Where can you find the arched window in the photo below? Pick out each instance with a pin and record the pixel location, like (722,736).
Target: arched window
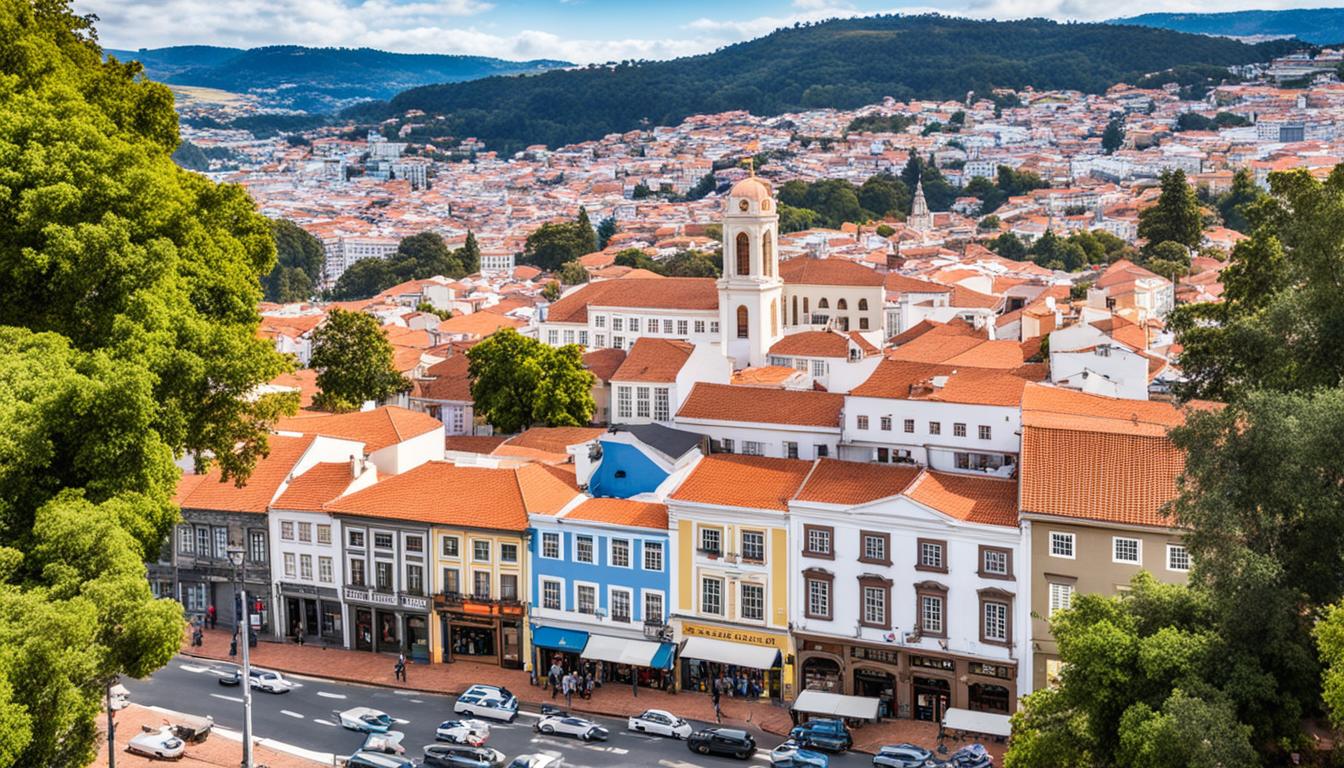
(768,253)
(743,254)
(795,310)
(842,305)
(863,305)
(742,330)
(774,318)
(823,304)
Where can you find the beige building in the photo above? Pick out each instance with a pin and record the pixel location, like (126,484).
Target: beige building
(844,294)
(1095,475)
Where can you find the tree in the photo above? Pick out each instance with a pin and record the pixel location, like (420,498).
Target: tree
(1114,136)
(605,229)
(689,264)
(468,257)
(128,324)
(990,223)
(365,278)
(702,188)
(585,230)
(1168,259)
(299,261)
(572,273)
(635,258)
(1175,216)
(518,382)
(354,362)
(554,243)
(551,291)
(1233,204)
(883,195)
(1009,246)
(885,230)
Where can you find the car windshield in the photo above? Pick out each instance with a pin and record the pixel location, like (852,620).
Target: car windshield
(504,694)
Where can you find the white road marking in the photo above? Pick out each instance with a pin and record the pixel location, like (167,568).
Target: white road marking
(324,694)
(608,750)
(291,714)
(399,721)
(326,722)
(417,701)
(221,672)
(325,758)
(237,699)
(193,668)
(401,692)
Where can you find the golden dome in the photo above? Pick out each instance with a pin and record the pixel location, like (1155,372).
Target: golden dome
(751,188)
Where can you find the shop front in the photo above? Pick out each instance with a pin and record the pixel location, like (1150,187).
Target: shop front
(481,630)
(312,613)
(747,663)
(385,622)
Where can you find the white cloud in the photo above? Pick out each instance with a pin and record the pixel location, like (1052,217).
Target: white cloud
(746,29)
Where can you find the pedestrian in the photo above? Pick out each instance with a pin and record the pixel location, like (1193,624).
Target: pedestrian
(714,697)
(210,615)
(399,670)
(568,684)
(588,686)
(233,645)
(555,683)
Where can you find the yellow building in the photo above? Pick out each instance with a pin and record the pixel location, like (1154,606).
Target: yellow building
(729,533)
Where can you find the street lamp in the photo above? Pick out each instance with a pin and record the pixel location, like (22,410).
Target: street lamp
(236,557)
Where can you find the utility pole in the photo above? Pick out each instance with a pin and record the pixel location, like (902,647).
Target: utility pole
(244,639)
(111,729)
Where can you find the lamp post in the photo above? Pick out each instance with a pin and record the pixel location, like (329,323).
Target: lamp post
(111,728)
(236,556)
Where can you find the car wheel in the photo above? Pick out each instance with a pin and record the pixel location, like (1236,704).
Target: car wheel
(587,736)
(703,749)
(546,729)
(742,755)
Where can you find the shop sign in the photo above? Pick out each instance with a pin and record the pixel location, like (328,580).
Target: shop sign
(735,635)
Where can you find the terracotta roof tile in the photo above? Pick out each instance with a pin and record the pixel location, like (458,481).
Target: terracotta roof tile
(1060,408)
(903,380)
(546,490)
(445,381)
(636,514)
(441,493)
(809,271)
(663,293)
(752,482)
(482,444)
(255,496)
(813,344)
(314,488)
(654,360)
(604,362)
(986,500)
(724,402)
(377,428)
(553,439)
(852,482)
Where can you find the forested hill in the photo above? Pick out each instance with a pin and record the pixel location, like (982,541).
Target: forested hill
(1323,26)
(838,63)
(318,78)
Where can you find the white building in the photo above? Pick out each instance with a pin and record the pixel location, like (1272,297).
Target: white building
(759,421)
(658,374)
(341,252)
(751,290)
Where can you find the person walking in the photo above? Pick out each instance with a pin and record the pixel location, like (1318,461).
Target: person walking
(399,670)
(568,684)
(210,615)
(714,696)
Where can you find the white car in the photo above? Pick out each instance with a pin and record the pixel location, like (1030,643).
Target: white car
(385,743)
(535,761)
(271,682)
(488,701)
(471,732)
(366,719)
(159,743)
(661,723)
(569,725)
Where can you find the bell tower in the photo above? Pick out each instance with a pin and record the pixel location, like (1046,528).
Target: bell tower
(751,292)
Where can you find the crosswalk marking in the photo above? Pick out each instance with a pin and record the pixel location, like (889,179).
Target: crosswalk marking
(193,668)
(331,695)
(237,699)
(291,714)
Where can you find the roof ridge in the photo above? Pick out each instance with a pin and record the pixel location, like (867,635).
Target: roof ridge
(815,463)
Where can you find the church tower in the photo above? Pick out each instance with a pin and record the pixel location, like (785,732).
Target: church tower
(751,292)
(920,219)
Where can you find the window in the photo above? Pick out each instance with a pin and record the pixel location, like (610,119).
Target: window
(863,305)
(186,544)
(324,569)
(1178,557)
(222,543)
(623,407)
(711,596)
(583,549)
(753,546)
(931,614)
(356,539)
(653,555)
(681,327)
(985,432)
(620,604)
(357,573)
(752,448)
(587,598)
(994,618)
(727,444)
(711,540)
(753,602)
(642,402)
(618,342)
(480,584)
(550,594)
(885,423)
(1061,597)
(661,408)
(480,550)
(620,553)
(508,553)
(382,575)
(823,304)
(819,598)
(653,607)
(323,534)
(875,546)
(256,546)
(306,532)
(875,606)
(569,337)
(743,253)
(306,567)
(508,586)
(415,579)
(932,556)
(817,541)
(714,326)
(652,325)
(618,324)
(790,450)
(958,429)
(289,565)
(583,338)
(452,581)
(863,323)
(600,321)
(909,425)
(1061,544)
(822,451)
(451,546)
(287,530)
(382,541)
(861,422)
(995,563)
(743,331)
(1125,550)
(935,428)
(203,541)
(601,339)
(415,544)
(553,338)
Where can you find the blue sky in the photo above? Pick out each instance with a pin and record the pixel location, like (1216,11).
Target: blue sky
(576,30)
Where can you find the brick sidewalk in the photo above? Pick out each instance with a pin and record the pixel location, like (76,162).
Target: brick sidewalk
(614,700)
(217,751)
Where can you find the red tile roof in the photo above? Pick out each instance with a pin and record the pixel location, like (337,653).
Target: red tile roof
(319,485)
(377,428)
(208,492)
(663,293)
(813,344)
(604,362)
(752,482)
(440,493)
(445,381)
(483,444)
(852,482)
(724,402)
(986,500)
(809,271)
(636,514)
(654,360)
(901,380)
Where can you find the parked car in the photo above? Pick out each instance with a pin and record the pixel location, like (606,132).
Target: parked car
(569,725)
(471,732)
(375,760)
(791,755)
(536,761)
(262,680)
(159,742)
(461,756)
(661,723)
(487,701)
(823,733)
(722,741)
(904,756)
(971,756)
(366,719)
(387,743)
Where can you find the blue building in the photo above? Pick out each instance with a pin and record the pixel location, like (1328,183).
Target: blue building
(638,459)
(601,590)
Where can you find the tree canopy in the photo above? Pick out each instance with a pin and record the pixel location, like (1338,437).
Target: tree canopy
(558,242)
(518,382)
(354,362)
(298,265)
(1175,217)
(418,257)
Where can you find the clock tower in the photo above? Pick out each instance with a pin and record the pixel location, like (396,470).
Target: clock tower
(751,304)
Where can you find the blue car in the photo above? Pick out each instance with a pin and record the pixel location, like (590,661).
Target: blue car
(790,755)
(828,734)
(971,756)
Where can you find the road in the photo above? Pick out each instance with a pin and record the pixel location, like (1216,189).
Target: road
(306,718)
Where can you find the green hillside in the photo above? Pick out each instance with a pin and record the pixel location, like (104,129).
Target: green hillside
(1314,25)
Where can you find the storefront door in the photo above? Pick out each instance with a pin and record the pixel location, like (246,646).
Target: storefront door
(877,685)
(932,697)
(511,646)
(473,641)
(363,629)
(310,617)
(386,624)
(986,697)
(293,616)
(821,674)
(417,638)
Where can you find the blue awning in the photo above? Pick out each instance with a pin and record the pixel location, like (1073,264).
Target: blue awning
(663,658)
(567,640)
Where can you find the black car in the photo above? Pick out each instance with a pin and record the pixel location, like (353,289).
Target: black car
(461,756)
(722,741)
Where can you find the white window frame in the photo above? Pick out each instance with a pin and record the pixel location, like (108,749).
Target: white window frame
(545,581)
(1060,597)
(925,615)
(1138,550)
(457,546)
(324,534)
(305,532)
(1170,551)
(1001,622)
(644,595)
(509,561)
(592,548)
(881,594)
(700,595)
(742,543)
(489,551)
(629,553)
(325,572)
(700,539)
(559,548)
(742,588)
(643,402)
(306,567)
(646,547)
(662,404)
(1059,537)
(625,408)
(629,601)
(597,595)
(286,530)
(291,565)
(824,595)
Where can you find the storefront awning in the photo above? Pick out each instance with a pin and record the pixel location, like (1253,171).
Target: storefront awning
(640,653)
(986,723)
(837,705)
(724,652)
(567,640)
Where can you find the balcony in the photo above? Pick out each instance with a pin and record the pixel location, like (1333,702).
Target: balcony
(467,602)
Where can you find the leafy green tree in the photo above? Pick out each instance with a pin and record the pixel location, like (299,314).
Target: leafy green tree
(468,257)
(585,230)
(793,219)
(1168,259)
(884,195)
(885,230)
(518,382)
(1175,216)
(428,308)
(421,256)
(1114,136)
(1187,732)
(364,278)
(702,188)
(354,362)
(636,259)
(990,223)
(1009,246)
(1329,634)
(1233,204)
(572,273)
(551,291)
(555,243)
(689,264)
(299,261)
(605,229)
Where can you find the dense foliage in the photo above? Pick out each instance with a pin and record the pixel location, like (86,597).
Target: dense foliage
(418,257)
(683,264)
(1070,254)
(833,202)
(1193,121)
(556,243)
(298,263)
(1006,183)
(354,362)
(518,382)
(128,318)
(197,158)
(838,63)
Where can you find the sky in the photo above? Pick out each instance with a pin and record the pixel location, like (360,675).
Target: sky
(580,31)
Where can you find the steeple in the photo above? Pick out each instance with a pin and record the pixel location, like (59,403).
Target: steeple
(750,290)
(920,218)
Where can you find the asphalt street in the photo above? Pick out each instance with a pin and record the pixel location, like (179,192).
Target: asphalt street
(305,717)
